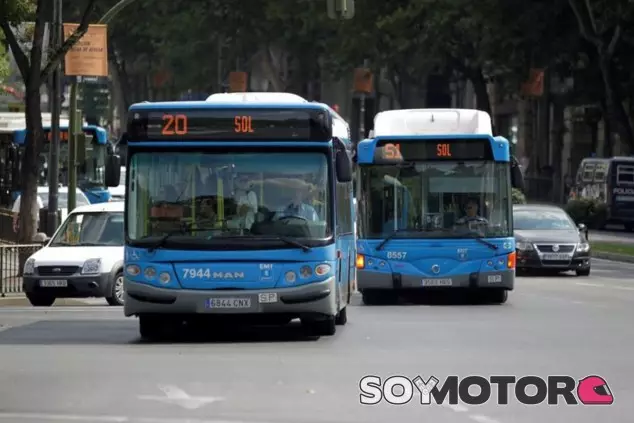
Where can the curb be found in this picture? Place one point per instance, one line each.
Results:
(623, 258)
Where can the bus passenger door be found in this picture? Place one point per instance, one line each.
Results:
(345, 241)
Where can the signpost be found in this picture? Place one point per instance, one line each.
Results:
(89, 57)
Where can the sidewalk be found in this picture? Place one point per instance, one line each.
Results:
(20, 300)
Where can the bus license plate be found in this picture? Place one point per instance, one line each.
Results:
(233, 303)
(437, 282)
(54, 283)
(556, 257)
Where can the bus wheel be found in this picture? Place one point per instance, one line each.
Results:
(377, 297)
(498, 296)
(322, 327)
(152, 328)
(342, 317)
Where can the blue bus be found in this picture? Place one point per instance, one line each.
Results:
(239, 208)
(90, 175)
(435, 208)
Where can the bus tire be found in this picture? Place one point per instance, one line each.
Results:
(342, 317)
(321, 327)
(150, 328)
(498, 295)
(373, 296)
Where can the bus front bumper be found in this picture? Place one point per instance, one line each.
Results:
(314, 298)
(380, 280)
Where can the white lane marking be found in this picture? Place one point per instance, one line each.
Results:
(106, 419)
(175, 395)
(594, 285)
(602, 285)
(482, 419)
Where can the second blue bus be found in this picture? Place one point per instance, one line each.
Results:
(435, 208)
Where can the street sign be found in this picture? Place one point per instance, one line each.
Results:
(238, 82)
(363, 80)
(89, 57)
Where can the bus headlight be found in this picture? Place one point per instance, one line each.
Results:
(360, 261)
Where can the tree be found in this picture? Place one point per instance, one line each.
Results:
(34, 73)
(4, 60)
(605, 25)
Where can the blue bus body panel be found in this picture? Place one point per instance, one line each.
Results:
(448, 254)
(19, 136)
(365, 148)
(206, 270)
(98, 195)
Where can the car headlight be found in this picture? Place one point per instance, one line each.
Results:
(524, 246)
(29, 266)
(91, 266)
(583, 247)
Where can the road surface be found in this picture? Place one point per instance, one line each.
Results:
(85, 364)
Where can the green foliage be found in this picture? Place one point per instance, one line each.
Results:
(590, 212)
(4, 60)
(518, 196)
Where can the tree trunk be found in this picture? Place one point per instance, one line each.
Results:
(30, 163)
(617, 113)
(483, 102)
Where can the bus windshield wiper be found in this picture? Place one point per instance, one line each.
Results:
(393, 234)
(292, 242)
(183, 230)
(479, 238)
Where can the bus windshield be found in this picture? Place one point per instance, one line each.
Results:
(90, 176)
(434, 199)
(210, 198)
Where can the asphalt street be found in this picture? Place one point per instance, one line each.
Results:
(86, 364)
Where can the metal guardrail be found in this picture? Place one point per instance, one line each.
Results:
(12, 258)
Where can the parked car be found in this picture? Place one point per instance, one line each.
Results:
(62, 199)
(84, 258)
(547, 238)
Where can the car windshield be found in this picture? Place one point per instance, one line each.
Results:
(211, 197)
(90, 229)
(541, 220)
(434, 199)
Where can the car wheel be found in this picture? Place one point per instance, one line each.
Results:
(583, 272)
(116, 297)
(40, 300)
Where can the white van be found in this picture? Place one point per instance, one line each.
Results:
(84, 258)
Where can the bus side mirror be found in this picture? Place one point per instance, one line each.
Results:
(517, 179)
(113, 170)
(343, 166)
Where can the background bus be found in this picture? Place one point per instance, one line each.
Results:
(90, 174)
(208, 187)
(610, 182)
(435, 205)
